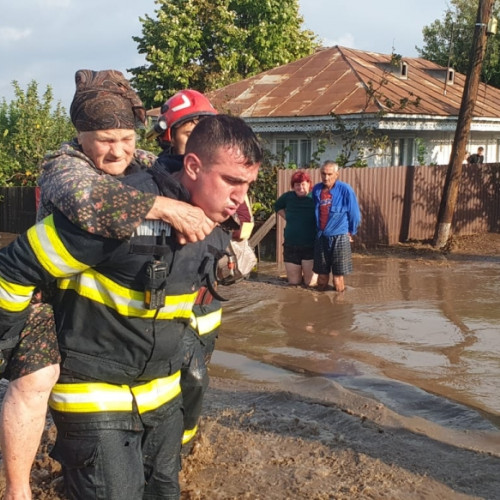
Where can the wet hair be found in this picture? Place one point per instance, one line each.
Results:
(299, 177)
(214, 132)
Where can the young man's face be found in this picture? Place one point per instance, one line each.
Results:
(328, 176)
(110, 150)
(220, 187)
(180, 135)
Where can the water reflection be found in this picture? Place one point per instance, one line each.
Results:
(434, 326)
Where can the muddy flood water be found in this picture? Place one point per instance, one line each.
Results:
(421, 337)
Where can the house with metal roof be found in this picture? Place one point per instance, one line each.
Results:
(311, 109)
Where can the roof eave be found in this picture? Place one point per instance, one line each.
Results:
(314, 124)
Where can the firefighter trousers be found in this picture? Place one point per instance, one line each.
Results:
(117, 456)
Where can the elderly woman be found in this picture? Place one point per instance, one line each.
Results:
(78, 181)
(297, 208)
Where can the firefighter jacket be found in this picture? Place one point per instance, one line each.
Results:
(105, 332)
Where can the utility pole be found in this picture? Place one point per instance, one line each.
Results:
(471, 87)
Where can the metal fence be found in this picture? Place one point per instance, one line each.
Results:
(17, 209)
(402, 203)
(397, 203)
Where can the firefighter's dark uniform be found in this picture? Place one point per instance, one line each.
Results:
(118, 404)
(199, 341)
(199, 344)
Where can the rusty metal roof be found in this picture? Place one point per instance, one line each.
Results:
(335, 80)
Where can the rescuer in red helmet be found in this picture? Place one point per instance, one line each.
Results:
(179, 115)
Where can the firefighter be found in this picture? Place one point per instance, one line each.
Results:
(73, 182)
(54, 239)
(179, 116)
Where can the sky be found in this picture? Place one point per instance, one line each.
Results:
(49, 40)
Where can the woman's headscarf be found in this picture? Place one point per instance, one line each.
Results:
(105, 100)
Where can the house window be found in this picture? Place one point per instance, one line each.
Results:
(294, 152)
(280, 148)
(305, 152)
(406, 150)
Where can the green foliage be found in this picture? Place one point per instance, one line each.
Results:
(146, 144)
(206, 44)
(264, 191)
(421, 151)
(449, 41)
(316, 155)
(356, 141)
(29, 127)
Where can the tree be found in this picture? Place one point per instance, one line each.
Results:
(449, 41)
(29, 127)
(206, 44)
(454, 172)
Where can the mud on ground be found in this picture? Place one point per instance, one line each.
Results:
(259, 443)
(475, 246)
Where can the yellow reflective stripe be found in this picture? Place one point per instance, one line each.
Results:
(192, 322)
(99, 288)
(189, 434)
(50, 250)
(208, 322)
(99, 396)
(157, 392)
(91, 397)
(14, 297)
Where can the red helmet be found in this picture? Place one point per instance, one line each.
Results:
(184, 106)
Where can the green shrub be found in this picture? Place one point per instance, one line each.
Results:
(29, 127)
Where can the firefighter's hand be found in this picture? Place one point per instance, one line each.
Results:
(190, 223)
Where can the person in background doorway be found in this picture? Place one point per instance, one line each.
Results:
(297, 208)
(477, 158)
(337, 217)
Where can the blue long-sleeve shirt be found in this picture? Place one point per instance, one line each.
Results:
(344, 216)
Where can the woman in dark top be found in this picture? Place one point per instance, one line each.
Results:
(297, 208)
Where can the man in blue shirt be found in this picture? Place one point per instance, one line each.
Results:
(337, 218)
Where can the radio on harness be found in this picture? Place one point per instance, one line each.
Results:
(155, 281)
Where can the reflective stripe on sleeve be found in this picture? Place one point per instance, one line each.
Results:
(101, 397)
(50, 250)
(14, 297)
(99, 288)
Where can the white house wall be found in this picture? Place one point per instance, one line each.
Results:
(437, 144)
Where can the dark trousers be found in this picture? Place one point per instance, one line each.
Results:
(194, 378)
(121, 457)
